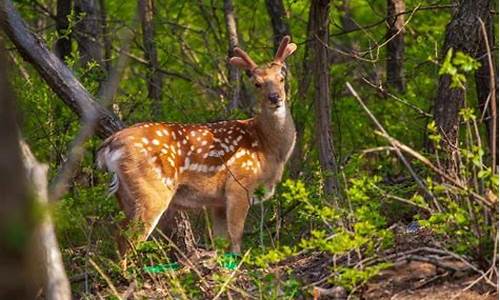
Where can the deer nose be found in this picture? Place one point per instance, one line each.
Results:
(274, 98)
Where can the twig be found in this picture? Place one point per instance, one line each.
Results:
(397, 150)
(437, 170)
(224, 285)
(105, 277)
(493, 101)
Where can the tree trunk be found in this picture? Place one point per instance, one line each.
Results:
(277, 14)
(60, 79)
(463, 33)
(233, 71)
(63, 44)
(88, 32)
(321, 69)
(396, 44)
(487, 88)
(147, 12)
(15, 207)
(46, 252)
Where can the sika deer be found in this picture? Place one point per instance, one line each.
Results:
(217, 165)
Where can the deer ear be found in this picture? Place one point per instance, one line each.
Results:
(239, 62)
(290, 48)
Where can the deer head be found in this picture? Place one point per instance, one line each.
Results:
(269, 80)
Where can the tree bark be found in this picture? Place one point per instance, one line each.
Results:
(147, 13)
(321, 69)
(233, 72)
(14, 202)
(396, 45)
(60, 79)
(279, 20)
(63, 44)
(88, 31)
(463, 33)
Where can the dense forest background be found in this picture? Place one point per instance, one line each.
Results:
(395, 166)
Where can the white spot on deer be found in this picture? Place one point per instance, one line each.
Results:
(239, 138)
(174, 136)
(199, 150)
(239, 153)
(255, 144)
(184, 141)
(204, 143)
(163, 151)
(159, 133)
(230, 131)
(165, 132)
(225, 147)
(193, 133)
(138, 145)
(145, 141)
(155, 142)
(171, 161)
(198, 138)
(153, 159)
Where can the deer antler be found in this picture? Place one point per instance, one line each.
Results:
(284, 50)
(250, 64)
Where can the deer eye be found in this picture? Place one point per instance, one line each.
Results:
(282, 79)
(258, 85)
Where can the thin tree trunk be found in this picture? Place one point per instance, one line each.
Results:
(15, 281)
(147, 12)
(463, 33)
(63, 44)
(305, 79)
(233, 72)
(487, 88)
(396, 45)
(88, 31)
(279, 20)
(60, 79)
(321, 68)
(106, 38)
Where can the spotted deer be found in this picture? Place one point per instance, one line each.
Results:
(157, 166)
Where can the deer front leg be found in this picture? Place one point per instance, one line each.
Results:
(236, 211)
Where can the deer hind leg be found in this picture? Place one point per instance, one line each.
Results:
(143, 208)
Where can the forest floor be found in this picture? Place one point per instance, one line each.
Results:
(420, 270)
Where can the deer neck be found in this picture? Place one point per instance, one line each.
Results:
(276, 132)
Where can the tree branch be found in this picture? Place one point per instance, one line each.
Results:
(60, 79)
